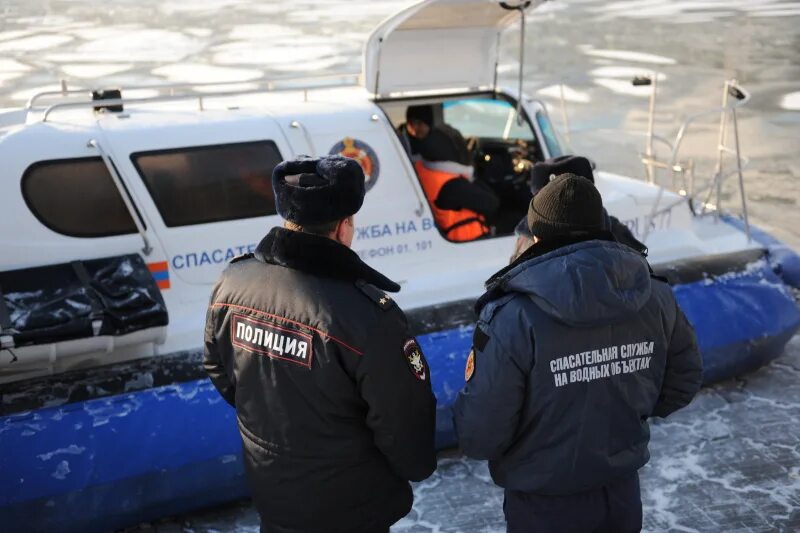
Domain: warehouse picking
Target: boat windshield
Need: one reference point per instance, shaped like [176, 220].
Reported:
[486, 118]
[490, 148]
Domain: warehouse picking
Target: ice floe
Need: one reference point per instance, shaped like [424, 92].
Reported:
[261, 32]
[201, 73]
[26, 94]
[346, 12]
[34, 43]
[14, 34]
[151, 45]
[248, 53]
[694, 11]
[623, 87]
[197, 6]
[104, 32]
[627, 55]
[791, 101]
[570, 94]
[616, 71]
[94, 70]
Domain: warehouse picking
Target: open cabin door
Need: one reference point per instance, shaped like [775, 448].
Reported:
[439, 45]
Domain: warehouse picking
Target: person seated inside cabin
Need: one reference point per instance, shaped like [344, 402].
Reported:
[541, 175]
[443, 163]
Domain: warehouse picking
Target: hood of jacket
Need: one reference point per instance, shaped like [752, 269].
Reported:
[588, 283]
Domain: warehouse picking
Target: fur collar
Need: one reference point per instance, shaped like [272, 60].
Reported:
[318, 256]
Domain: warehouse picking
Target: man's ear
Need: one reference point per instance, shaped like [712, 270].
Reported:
[341, 232]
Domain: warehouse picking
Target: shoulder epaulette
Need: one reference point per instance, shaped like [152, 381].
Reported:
[383, 300]
[490, 308]
[242, 257]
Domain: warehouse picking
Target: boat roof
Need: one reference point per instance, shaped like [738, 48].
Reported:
[445, 44]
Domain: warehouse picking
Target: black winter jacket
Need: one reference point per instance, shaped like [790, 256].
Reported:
[332, 394]
[576, 347]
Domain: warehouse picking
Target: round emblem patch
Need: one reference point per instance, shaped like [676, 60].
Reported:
[364, 154]
[416, 362]
[470, 368]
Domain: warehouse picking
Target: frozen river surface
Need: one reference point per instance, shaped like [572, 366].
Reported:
[729, 462]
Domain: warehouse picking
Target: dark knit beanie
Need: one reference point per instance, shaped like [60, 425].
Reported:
[423, 113]
[568, 205]
[317, 191]
[572, 164]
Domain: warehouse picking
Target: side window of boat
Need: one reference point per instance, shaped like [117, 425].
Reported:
[76, 197]
[202, 184]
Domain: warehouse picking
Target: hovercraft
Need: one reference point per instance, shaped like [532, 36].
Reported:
[119, 213]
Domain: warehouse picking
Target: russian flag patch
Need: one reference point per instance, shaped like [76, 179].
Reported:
[160, 272]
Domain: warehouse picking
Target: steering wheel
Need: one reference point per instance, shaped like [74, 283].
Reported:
[473, 144]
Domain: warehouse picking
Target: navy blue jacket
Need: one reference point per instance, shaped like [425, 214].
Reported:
[576, 346]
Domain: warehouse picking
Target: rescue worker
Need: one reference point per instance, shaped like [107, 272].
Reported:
[540, 176]
[577, 345]
[442, 161]
[332, 393]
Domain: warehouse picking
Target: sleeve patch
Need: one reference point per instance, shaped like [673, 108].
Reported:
[479, 339]
[416, 361]
[469, 369]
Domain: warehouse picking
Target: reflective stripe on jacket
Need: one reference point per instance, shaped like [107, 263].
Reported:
[456, 225]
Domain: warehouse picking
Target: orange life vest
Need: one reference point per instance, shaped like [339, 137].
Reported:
[456, 225]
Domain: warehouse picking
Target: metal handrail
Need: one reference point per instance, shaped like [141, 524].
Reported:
[172, 98]
[689, 120]
[268, 82]
[731, 87]
[112, 170]
[705, 189]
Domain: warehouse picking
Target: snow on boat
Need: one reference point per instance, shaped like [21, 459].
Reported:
[119, 213]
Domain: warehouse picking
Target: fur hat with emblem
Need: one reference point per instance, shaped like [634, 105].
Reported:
[311, 191]
[543, 171]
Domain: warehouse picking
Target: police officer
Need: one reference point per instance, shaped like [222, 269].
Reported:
[575, 348]
[540, 176]
[332, 393]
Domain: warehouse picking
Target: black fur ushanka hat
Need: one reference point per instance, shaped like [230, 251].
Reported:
[565, 164]
[317, 191]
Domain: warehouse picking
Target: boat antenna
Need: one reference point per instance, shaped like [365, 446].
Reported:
[521, 7]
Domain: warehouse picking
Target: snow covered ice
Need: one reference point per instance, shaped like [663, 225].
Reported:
[728, 462]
